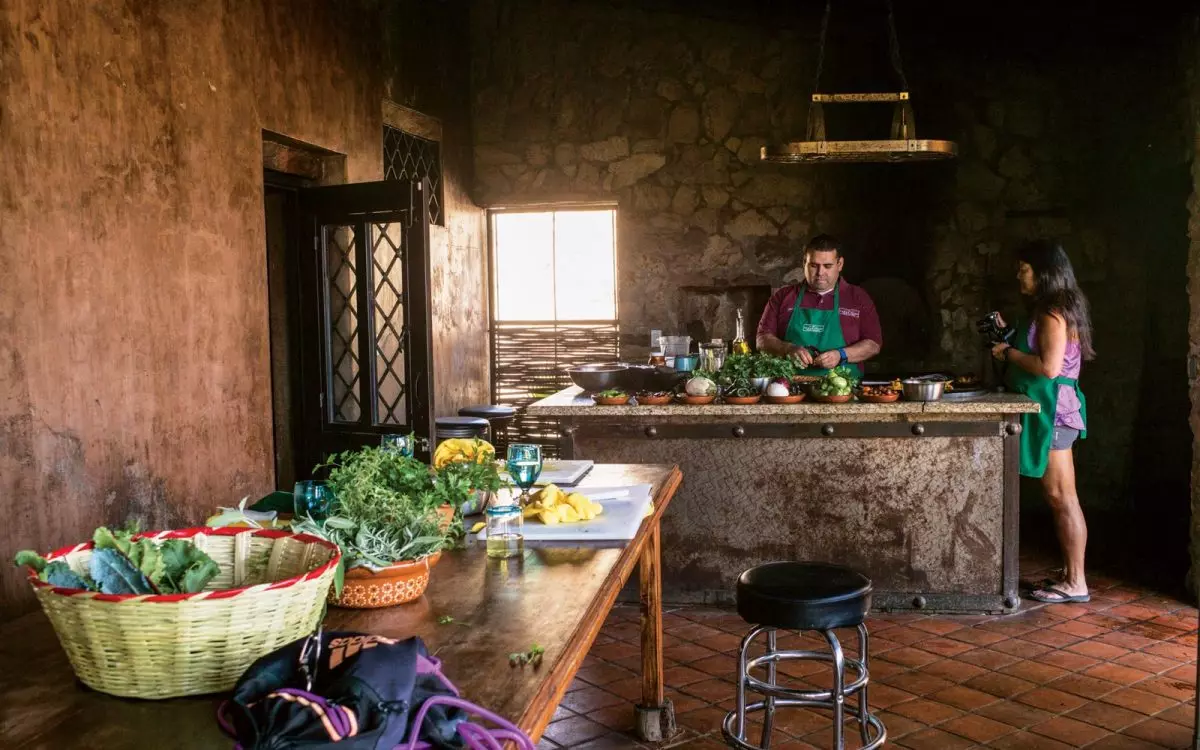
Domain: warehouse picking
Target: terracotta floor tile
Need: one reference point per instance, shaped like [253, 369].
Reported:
[1035, 671]
[574, 731]
[1014, 714]
[611, 741]
[1115, 673]
[1184, 714]
[591, 699]
[906, 636]
[938, 626]
[934, 739]
[987, 658]
[950, 669]
[1186, 673]
[1051, 638]
[1127, 640]
[1188, 640]
[1139, 700]
[1029, 741]
[909, 657]
[1009, 627]
[688, 652]
[1152, 631]
[960, 696]
[926, 711]
[1147, 662]
[1134, 611]
[1123, 742]
[712, 690]
[616, 718]
[1106, 620]
[1067, 660]
[999, 685]
[1084, 686]
[977, 636]
[684, 702]
[945, 646]
[798, 722]
[1049, 699]
[630, 689]
[702, 720]
[1098, 650]
[1168, 687]
[603, 673]
[1080, 629]
[918, 683]
[977, 728]
[897, 726]
[1180, 653]
[682, 675]
[720, 665]
[1161, 732]
[1071, 731]
[1105, 715]
[882, 696]
[881, 669]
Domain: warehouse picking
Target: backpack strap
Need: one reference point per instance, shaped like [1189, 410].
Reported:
[475, 736]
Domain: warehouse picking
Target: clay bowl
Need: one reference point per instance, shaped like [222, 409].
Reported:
[696, 400]
[834, 399]
[611, 400]
[881, 399]
[742, 400]
[649, 400]
[396, 584]
[795, 399]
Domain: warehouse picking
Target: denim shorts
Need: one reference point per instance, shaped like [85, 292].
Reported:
[1063, 438]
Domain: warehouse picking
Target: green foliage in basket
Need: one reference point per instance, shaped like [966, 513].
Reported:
[385, 508]
[122, 565]
[770, 366]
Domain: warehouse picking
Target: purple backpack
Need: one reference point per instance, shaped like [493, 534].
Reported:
[353, 691]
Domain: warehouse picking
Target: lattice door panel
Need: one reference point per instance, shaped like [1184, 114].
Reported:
[410, 157]
[390, 331]
[341, 302]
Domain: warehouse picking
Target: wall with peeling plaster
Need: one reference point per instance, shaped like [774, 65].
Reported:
[134, 364]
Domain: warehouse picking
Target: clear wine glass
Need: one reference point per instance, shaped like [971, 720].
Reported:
[402, 444]
[524, 466]
[313, 499]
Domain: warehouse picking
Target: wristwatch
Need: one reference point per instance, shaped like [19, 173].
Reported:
[842, 353]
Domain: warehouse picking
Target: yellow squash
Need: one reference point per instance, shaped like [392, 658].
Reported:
[551, 505]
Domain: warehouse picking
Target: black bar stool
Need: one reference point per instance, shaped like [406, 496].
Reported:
[803, 596]
[497, 416]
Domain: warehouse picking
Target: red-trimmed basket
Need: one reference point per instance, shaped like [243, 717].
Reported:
[270, 592]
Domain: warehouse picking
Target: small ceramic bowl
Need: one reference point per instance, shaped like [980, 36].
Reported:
[611, 400]
[742, 400]
[653, 400]
[834, 399]
[880, 398]
[797, 398]
[696, 400]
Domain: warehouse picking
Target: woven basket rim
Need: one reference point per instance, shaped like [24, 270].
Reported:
[334, 560]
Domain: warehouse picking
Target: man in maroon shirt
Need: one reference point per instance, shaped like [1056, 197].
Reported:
[824, 321]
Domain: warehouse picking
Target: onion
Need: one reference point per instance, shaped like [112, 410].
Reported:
[700, 387]
[778, 389]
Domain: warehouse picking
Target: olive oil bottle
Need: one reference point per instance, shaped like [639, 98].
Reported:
[740, 345]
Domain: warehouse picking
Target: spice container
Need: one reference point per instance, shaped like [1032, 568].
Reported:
[505, 531]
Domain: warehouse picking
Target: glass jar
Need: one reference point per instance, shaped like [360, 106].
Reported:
[505, 531]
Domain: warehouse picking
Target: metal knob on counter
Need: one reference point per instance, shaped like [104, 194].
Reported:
[651, 431]
[1013, 428]
[827, 430]
[739, 431]
[918, 429]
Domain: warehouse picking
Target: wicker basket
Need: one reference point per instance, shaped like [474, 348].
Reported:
[270, 592]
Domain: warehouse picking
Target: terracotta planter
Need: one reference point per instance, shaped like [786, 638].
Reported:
[742, 400]
[445, 517]
[396, 584]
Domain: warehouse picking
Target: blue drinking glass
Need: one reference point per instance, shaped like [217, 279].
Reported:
[312, 499]
[524, 466]
[402, 444]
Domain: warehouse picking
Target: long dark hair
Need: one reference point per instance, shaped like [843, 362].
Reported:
[1057, 291]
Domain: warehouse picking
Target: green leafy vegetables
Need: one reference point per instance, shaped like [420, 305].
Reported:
[122, 565]
[840, 381]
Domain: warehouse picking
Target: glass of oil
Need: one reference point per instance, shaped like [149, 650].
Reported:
[504, 531]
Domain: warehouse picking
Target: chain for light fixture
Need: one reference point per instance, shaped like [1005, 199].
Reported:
[903, 144]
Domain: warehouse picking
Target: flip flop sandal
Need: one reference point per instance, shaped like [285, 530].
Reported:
[1059, 596]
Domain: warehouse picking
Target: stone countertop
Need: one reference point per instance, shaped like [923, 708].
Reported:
[571, 402]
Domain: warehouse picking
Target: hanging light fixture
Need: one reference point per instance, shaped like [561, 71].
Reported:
[902, 146]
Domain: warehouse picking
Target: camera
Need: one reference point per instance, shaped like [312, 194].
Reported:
[989, 327]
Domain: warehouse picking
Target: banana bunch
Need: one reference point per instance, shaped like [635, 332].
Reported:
[467, 450]
[551, 505]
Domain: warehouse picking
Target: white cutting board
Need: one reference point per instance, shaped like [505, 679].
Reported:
[561, 472]
[619, 521]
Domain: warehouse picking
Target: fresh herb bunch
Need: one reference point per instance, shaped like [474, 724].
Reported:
[738, 367]
[385, 510]
[121, 565]
[770, 366]
[741, 388]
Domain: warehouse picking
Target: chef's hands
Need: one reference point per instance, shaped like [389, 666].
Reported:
[828, 360]
[802, 355]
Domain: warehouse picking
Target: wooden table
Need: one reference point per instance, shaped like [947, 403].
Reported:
[557, 597]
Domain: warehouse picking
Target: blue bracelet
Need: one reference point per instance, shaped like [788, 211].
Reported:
[845, 359]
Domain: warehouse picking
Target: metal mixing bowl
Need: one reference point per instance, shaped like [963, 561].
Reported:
[922, 390]
[596, 378]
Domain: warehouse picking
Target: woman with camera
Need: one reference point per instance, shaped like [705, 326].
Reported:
[1044, 363]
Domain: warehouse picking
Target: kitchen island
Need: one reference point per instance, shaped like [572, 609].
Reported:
[920, 497]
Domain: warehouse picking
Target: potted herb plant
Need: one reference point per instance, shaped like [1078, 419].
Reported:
[389, 520]
[736, 380]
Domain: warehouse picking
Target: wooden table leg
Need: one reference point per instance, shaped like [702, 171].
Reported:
[655, 714]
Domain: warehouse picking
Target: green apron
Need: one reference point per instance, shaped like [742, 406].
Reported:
[1037, 430]
[821, 329]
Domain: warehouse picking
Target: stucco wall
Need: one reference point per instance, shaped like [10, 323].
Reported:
[134, 364]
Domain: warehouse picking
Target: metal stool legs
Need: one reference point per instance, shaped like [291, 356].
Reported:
[774, 696]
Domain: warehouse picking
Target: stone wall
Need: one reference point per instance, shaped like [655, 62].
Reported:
[134, 357]
[665, 113]
[1191, 53]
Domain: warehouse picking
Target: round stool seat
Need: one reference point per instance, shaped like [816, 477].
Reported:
[461, 427]
[803, 596]
[489, 412]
